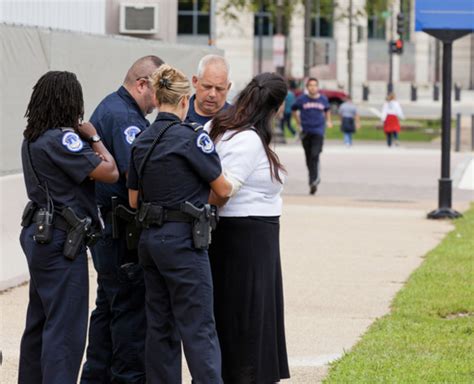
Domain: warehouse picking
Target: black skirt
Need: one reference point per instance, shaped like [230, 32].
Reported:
[248, 300]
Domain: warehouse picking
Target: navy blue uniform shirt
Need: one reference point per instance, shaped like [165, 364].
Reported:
[194, 117]
[63, 161]
[180, 167]
[118, 119]
[312, 113]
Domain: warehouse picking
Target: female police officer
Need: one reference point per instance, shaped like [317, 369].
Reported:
[60, 158]
[173, 167]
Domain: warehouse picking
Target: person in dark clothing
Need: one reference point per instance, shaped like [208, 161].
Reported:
[173, 167]
[61, 159]
[312, 113]
[117, 325]
[211, 85]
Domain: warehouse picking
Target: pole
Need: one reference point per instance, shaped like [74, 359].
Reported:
[279, 31]
[350, 51]
[212, 22]
[307, 36]
[260, 37]
[445, 183]
[390, 56]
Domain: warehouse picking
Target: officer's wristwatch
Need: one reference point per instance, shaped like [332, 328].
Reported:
[94, 139]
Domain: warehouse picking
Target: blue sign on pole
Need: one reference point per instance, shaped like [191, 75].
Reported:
[445, 15]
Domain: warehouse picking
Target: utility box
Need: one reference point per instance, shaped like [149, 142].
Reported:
[140, 19]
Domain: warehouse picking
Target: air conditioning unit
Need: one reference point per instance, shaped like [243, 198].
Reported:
[138, 18]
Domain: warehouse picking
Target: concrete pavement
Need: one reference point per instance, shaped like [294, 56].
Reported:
[345, 252]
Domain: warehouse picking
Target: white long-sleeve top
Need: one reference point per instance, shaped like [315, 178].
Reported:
[243, 155]
[391, 108]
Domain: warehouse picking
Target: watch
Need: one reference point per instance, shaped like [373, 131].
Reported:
[94, 139]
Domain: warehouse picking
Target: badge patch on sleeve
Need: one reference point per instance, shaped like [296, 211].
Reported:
[72, 142]
[130, 133]
[205, 143]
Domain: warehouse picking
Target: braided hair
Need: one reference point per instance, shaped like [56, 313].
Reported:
[56, 102]
[255, 108]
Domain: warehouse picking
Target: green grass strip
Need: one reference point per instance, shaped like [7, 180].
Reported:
[421, 130]
[429, 335]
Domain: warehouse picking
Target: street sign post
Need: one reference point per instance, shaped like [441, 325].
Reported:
[446, 21]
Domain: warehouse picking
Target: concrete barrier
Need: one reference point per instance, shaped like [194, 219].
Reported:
[13, 268]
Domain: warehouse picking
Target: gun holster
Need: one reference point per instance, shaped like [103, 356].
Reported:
[124, 215]
[78, 235]
[205, 219]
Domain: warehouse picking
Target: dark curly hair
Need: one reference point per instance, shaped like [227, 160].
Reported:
[56, 102]
[255, 107]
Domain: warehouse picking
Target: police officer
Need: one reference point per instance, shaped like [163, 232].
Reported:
[61, 159]
[211, 85]
[172, 170]
[115, 352]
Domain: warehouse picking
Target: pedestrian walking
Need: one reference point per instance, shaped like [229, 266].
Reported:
[312, 113]
[211, 85]
[115, 352]
[350, 120]
[173, 167]
[391, 115]
[286, 116]
[61, 159]
[245, 249]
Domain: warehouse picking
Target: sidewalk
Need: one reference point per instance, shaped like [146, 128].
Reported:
[345, 252]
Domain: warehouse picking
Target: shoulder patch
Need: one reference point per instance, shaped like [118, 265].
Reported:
[72, 142]
[130, 133]
[194, 126]
[204, 143]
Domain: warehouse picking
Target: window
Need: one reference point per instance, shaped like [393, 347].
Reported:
[322, 22]
[376, 28]
[377, 12]
[193, 17]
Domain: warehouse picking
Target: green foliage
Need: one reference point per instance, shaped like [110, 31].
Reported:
[429, 335]
[230, 8]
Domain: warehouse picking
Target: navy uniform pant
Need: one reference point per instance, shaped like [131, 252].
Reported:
[179, 305]
[56, 322]
[313, 146]
[115, 352]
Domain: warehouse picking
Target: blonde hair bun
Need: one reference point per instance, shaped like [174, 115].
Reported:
[170, 85]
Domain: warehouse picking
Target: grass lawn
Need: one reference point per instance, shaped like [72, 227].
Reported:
[429, 335]
[420, 130]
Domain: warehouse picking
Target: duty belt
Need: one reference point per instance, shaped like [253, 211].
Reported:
[157, 215]
[59, 221]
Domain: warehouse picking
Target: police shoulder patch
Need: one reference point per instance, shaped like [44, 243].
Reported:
[204, 143]
[72, 142]
[130, 133]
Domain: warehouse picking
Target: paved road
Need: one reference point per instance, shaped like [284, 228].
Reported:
[345, 251]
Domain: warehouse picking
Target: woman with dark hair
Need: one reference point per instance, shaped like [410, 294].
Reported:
[61, 159]
[245, 249]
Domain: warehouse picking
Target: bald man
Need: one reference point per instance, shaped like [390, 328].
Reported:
[115, 353]
[211, 84]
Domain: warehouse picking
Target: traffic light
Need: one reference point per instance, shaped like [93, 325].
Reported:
[399, 46]
[396, 46]
[400, 24]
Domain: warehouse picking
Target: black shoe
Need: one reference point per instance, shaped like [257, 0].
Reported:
[312, 189]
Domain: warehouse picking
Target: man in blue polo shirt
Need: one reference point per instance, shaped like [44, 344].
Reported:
[212, 85]
[312, 113]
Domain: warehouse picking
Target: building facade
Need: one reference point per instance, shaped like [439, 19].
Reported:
[248, 40]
